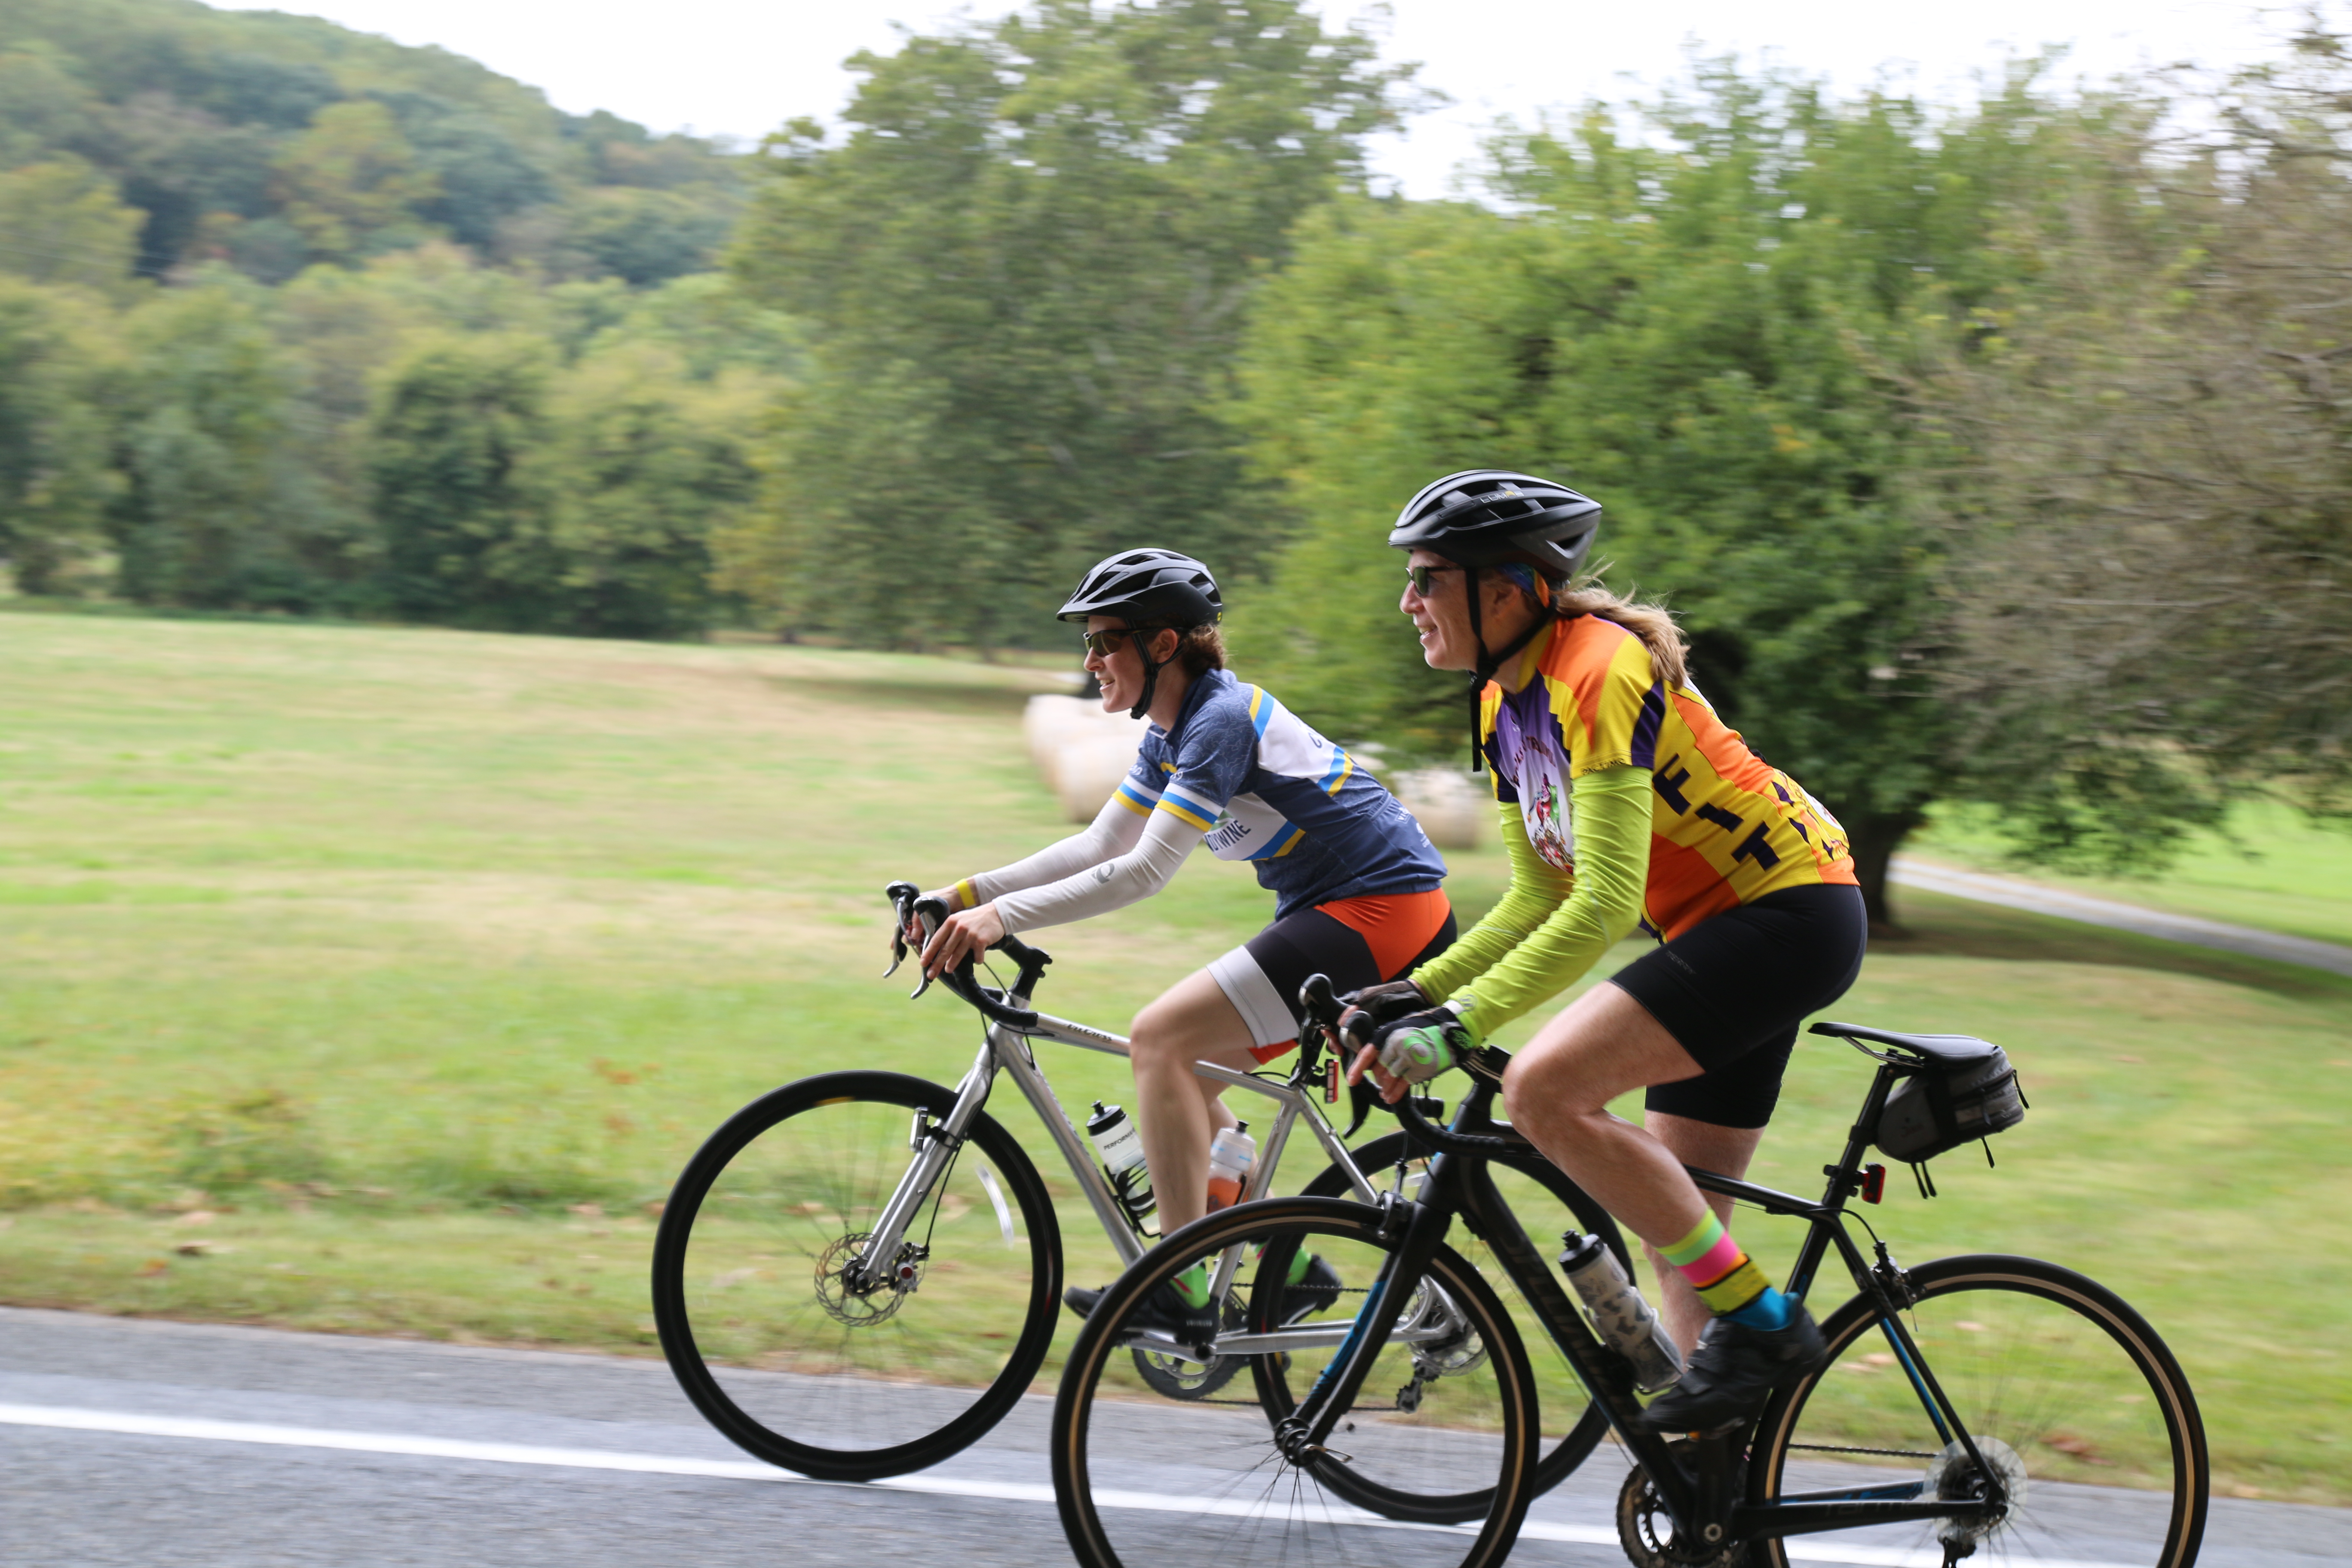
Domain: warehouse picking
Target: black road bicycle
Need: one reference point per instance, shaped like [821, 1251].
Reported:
[1973, 1404]
[860, 1272]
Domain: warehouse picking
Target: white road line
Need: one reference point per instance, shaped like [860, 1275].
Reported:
[67, 1418]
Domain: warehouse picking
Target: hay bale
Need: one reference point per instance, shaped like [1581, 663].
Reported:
[1081, 751]
[1453, 807]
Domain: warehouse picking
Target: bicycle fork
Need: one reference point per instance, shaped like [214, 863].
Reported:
[882, 1263]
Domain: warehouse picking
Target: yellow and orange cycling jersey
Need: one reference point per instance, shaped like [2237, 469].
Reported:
[1726, 827]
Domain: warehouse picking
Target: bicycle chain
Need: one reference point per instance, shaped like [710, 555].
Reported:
[1882, 1453]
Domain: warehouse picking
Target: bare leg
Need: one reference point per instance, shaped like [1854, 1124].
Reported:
[1557, 1090]
[1726, 1150]
[1177, 1111]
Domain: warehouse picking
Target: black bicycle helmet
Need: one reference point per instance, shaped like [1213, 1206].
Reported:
[1139, 586]
[1485, 517]
[1493, 517]
[1150, 588]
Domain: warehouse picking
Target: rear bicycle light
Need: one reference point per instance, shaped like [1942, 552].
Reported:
[1873, 1184]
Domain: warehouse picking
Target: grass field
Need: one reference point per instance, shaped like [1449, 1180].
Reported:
[2276, 869]
[378, 980]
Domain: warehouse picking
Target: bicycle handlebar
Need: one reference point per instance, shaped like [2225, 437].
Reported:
[1322, 1005]
[911, 906]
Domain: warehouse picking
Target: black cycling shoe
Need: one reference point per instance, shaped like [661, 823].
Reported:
[1733, 1371]
[1163, 1310]
[1317, 1290]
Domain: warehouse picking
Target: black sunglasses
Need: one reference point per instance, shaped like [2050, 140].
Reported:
[1102, 645]
[1419, 577]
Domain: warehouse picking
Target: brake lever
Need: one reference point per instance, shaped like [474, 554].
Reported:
[932, 914]
[902, 900]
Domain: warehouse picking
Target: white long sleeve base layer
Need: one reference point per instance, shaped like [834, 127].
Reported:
[1120, 858]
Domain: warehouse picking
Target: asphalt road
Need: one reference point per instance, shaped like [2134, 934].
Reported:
[2011, 893]
[150, 1443]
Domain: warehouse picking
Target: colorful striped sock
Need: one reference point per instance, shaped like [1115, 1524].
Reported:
[1192, 1285]
[1726, 1279]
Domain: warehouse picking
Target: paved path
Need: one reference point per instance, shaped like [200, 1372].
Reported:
[2009, 891]
[145, 1443]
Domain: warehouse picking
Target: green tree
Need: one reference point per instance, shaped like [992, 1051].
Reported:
[219, 508]
[462, 516]
[57, 356]
[642, 465]
[1694, 325]
[2153, 478]
[61, 222]
[1021, 278]
[48, 110]
[352, 176]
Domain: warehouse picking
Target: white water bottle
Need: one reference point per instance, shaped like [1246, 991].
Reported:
[1619, 1314]
[1121, 1147]
[1231, 1156]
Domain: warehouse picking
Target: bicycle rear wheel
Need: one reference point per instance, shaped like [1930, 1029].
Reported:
[2065, 1390]
[775, 1338]
[1547, 1204]
[1442, 1429]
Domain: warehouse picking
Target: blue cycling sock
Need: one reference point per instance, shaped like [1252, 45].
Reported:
[1767, 1311]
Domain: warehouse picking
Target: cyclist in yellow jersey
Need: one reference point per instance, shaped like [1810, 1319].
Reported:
[1625, 802]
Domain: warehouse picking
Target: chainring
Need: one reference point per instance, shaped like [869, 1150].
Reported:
[1646, 1530]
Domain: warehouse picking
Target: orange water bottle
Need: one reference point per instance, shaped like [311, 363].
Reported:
[1230, 1159]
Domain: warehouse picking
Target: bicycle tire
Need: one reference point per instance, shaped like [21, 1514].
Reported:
[2061, 1383]
[1141, 1481]
[1555, 1377]
[813, 1377]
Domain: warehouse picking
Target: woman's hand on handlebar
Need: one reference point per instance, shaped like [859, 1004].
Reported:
[964, 935]
[952, 897]
[1391, 1087]
[1411, 1049]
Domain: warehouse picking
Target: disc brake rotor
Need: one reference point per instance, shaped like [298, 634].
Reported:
[861, 1308]
[1952, 1475]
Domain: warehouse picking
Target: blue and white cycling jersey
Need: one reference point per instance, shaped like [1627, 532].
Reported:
[1264, 787]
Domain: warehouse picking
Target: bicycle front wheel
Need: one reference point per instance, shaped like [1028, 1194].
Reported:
[806, 1352]
[2066, 1392]
[1443, 1428]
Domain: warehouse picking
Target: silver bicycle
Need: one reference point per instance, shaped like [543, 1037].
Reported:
[859, 1273]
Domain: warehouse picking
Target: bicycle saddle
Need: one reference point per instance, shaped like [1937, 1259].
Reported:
[1952, 1050]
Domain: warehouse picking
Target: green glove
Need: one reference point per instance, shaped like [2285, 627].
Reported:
[1420, 1045]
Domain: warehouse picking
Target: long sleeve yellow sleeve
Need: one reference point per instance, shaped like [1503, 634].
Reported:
[1537, 887]
[1552, 926]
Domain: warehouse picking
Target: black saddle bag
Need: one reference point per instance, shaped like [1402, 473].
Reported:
[1942, 1106]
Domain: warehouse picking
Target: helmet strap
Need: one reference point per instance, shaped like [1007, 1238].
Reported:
[1152, 667]
[1489, 663]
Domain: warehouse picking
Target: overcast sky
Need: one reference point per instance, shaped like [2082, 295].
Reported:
[741, 68]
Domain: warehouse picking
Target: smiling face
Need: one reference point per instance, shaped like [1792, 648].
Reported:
[1120, 671]
[1442, 616]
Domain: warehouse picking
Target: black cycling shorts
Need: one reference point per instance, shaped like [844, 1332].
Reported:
[1262, 975]
[1733, 988]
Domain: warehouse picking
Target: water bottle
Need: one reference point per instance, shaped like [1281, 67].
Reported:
[1231, 1156]
[1619, 1314]
[1120, 1148]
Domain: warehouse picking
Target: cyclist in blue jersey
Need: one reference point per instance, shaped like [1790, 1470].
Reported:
[1355, 881]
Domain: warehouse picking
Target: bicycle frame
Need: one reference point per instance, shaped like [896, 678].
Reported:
[1007, 1050]
[1695, 1479]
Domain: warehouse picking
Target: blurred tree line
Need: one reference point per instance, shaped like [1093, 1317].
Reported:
[1997, 452]
[2001, 454]
[296, 319]
[270, 142]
